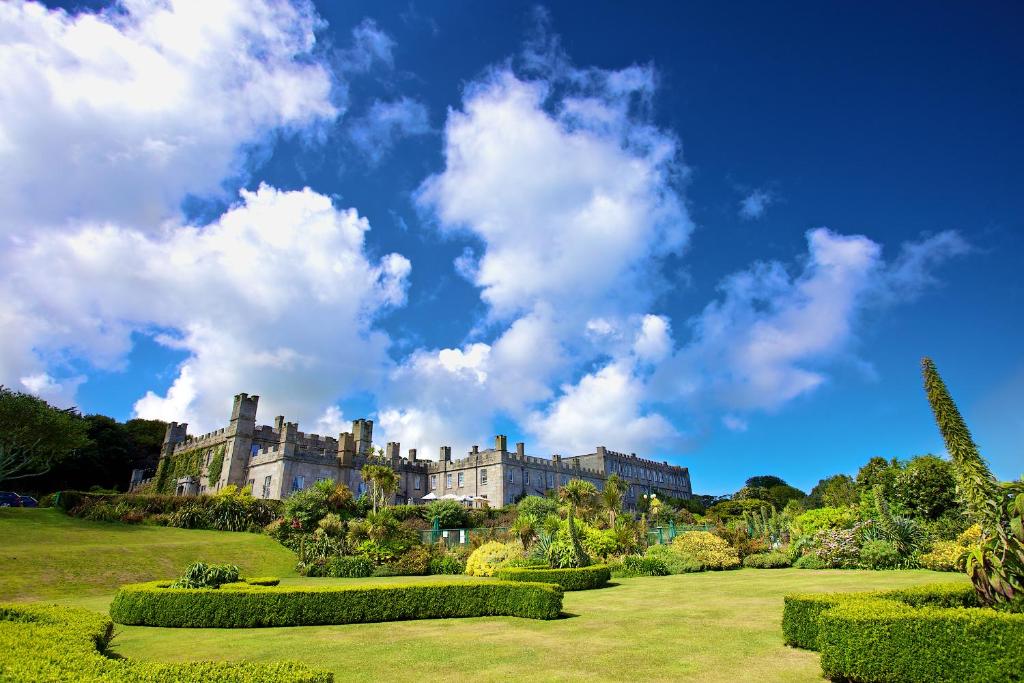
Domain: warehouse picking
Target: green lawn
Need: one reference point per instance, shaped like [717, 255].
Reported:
[716, 626]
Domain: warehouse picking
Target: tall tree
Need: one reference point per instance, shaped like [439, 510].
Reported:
[611, 497]
[835, 491]
[35, 436]
[383, 482]
[576, 495]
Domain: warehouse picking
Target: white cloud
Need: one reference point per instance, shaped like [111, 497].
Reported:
[755, 204]
[119, 115]
[370, 46]
[275, 298]
[385, 124]
[734, 423]
[654, 340]
[770, 337]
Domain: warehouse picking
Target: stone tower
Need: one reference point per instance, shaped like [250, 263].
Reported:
[362, 431]
[238, 441]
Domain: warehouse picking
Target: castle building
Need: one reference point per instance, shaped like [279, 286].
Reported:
[279, 460]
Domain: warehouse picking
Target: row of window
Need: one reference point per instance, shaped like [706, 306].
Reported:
[645, 473]
[461, 479]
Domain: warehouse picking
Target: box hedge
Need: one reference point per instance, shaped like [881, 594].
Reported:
[50, 643]
[926, 633]
[152, 604]
[570, 579]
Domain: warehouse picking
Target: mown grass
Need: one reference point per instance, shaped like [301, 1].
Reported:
[716, 626]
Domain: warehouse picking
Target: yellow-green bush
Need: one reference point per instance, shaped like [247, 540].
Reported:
[570, 578]
[154, 604]
[711, 551]
[490, 557]
[945, 556]
[50, 643]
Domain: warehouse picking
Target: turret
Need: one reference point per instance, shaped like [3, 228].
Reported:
[362, 430]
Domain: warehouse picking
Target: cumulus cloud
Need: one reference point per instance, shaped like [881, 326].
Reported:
[755, 204]
[276, 298]
[119, 115]
[573, 196]
[370, 46]
[377, 132]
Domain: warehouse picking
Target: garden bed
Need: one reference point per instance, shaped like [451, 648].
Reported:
[929, 633]
[156, 604]
[570, 579]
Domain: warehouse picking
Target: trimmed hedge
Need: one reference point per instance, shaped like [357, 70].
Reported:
[262, 581]
[637, 565]
[570, 579]
[771, 560]
[926, 633]
[152, 604]
[50, 643]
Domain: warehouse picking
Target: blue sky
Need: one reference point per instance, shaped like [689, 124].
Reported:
[720, 236]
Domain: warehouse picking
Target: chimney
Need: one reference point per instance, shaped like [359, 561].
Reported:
[501, 442]
[279, 423]
[520, 450]
[412, 455]
[446, 453]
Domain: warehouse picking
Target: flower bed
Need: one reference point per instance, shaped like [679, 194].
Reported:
[570, 579]
[156, 604]
[928, 633]
[49, 643]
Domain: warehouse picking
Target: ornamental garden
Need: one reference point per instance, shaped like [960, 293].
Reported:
[909, 571]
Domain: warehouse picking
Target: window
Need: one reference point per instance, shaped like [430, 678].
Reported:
[565, 480]
[361, 489]
[526, 478]
[298, 483]
[483, 476]
[462, 479]
[416, 482]
[551, 480]
[254, 450]
[266, 487]
[433, 481]
[448, 481]
[511, 476]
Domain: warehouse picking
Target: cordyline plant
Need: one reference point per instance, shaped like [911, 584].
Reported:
[996, 564]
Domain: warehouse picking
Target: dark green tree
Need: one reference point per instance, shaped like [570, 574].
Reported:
[839, 490]
[765, 481]
[926, 487]
[35, 436]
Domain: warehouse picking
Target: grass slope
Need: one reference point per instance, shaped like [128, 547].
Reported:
[715, 626]
[46, 555]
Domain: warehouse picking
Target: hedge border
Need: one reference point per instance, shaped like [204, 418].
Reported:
[570, 579]
[926, 633]
[154, 604]
[52, 643]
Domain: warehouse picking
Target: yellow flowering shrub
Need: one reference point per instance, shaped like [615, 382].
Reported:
[709, 550]
[490, 557]
[972, 536]
[945, 556]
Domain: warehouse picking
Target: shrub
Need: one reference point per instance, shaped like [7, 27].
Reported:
[810, 562]
[189, 517]
[836, 548]
[945, 556]
[708, 549]
[449, 514]
[147, 604]
[773, 560]
[490, 557]
[49, 643]
[447, 564]
[349, 567]
[263, 581]
[570, 579]
[312, 504]
[879, 555]
[675, 561]
[202, 575]
[635, 565]
[415, 562]
[813, 521]
[915, 634]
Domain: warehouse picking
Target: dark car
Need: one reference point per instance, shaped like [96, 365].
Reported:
[9, 500]
[29, 502]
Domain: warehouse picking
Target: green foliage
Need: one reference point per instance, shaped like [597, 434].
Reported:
[813, 521]
[448, 513]
[674, 561]
[634, 565]
[350, 567]
[772, 560]
[879, 554]
[836, 491]
[173, 467]
[536, 506]
[996, 565]
[383, 482]
[414, 562]
[50, 643]
[216, 467]
[447, 564]
[926, 487]
[312, 504]
[810, 562]
[708, 549]
[490, 557]
[570, 579]
[148, 604]
[916, 634]
[768, 525]
[576, 495]
[187, 517]
[730, 510]
[765, 481]
[229, 510]
[262, 580]
[202, 575]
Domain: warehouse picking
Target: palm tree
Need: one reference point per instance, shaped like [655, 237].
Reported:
[611, 497]
[575, 495]
[525, 529]
[383, 483]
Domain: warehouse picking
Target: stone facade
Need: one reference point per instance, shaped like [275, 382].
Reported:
[278, 460]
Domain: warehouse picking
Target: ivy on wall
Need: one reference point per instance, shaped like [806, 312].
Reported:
[184, 464]
[216, 465]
